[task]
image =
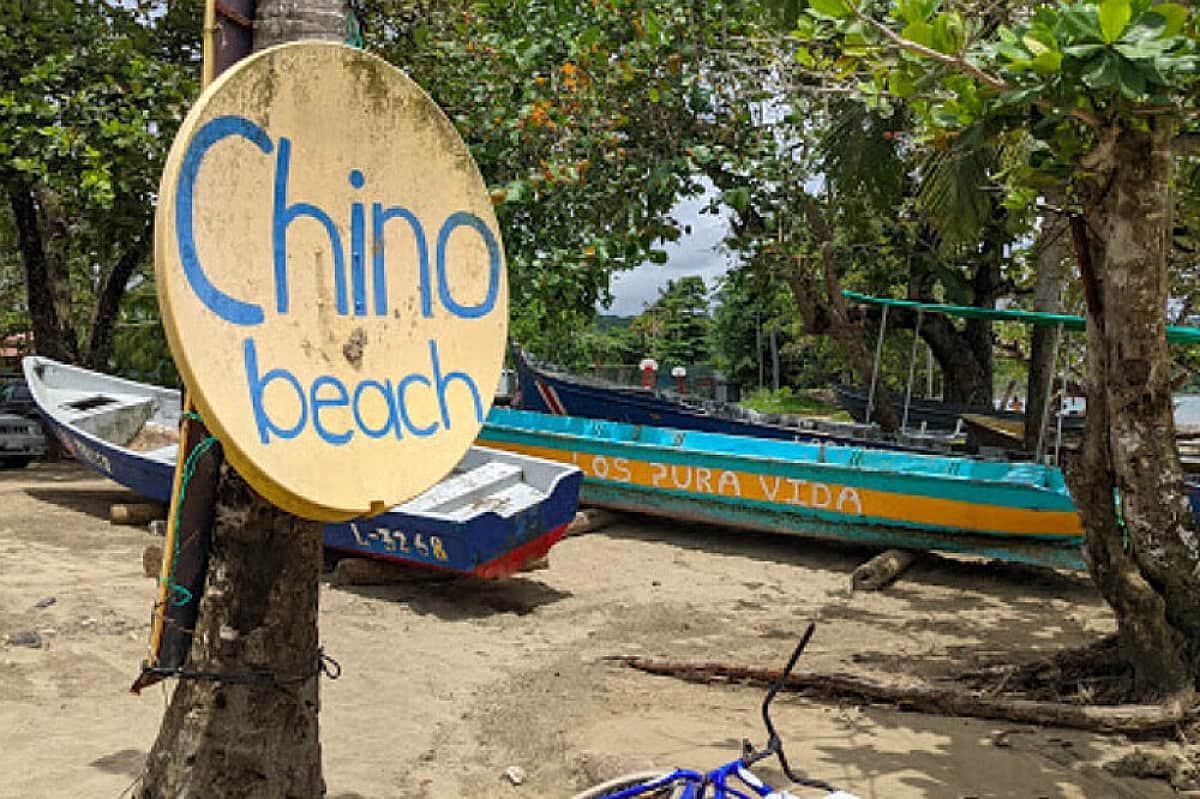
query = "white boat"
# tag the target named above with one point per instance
(492, 514)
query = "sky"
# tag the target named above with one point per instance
(697, 253)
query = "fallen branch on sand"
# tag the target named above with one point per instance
(942, 701)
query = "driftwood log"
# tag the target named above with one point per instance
(136, 512)
(591, 519)
(371, 571)
(1140, 718)
(881, 570)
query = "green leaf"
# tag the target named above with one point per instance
(1103, 72)
(834, 9)
(1132, 79)
(1047, 63)
(652, 94)
(1080, 23)
(1114, 18)
(1174, 15)
(1034, 46)
(737, 198)
(805, 57)
(919, 32)
(1083, 51)
(901, 84)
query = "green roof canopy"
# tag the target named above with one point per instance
(1175, 334)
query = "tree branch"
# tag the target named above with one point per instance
(960, 64)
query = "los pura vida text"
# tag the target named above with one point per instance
(328, 403)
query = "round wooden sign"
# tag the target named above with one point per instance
(331, 279)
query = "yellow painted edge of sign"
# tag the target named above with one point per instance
(896, 507)
(268, 488)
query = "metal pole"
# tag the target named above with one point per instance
(928, 372)
(875, 366)
(1062, 398)
(912, 368)
(774, 361)
(1041, 439)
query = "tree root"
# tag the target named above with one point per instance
(1130, 718)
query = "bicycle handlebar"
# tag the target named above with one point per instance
(774, 742)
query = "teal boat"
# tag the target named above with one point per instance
(1018, 512)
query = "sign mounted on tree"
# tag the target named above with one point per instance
(331, 279)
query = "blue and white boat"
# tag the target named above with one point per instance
(547, 390)
(492, 514)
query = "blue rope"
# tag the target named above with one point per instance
(182, 595)
(354, 27)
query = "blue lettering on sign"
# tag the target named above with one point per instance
(241, 312)
(337, 396)
(220, 303)
(286, 214)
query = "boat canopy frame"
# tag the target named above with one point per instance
(1062, 324)
(1176, 334)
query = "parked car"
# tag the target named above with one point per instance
(21, 441)
(15, 398)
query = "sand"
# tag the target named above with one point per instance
(445, 686)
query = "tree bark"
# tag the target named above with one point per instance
(821, 302)
(1050, 249)
(1145, 563)
(257, 623)
(52, 334)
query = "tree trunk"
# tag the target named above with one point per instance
(52, 334)
(1145, 563)
(821, 302)
(1050, 249)
(108, 301)
(279, 21)
(258, 615)
(965, 356)
(966, 381)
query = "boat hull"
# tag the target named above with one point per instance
(489, 543)
(1019, 512)
(556, 394)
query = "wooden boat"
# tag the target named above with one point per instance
(1014, 511)
(551, 391)
(938, 415)
(495, 512)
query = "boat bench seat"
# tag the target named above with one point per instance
(112, 417)
(466, 488)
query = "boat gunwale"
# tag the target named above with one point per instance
(837, 468)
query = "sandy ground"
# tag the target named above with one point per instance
(445, 686)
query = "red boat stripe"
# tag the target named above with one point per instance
(550, 397)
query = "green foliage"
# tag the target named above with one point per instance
(1059, 73)
(140, 350)
(90, 96)
(784, 401)
(585, 119)
(674, 330)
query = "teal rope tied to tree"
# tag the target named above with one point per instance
(181, 595)
(354, 26)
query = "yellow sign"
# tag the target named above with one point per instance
(331, 278)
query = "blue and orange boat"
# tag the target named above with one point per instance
(492, 514)
(1015, 511)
